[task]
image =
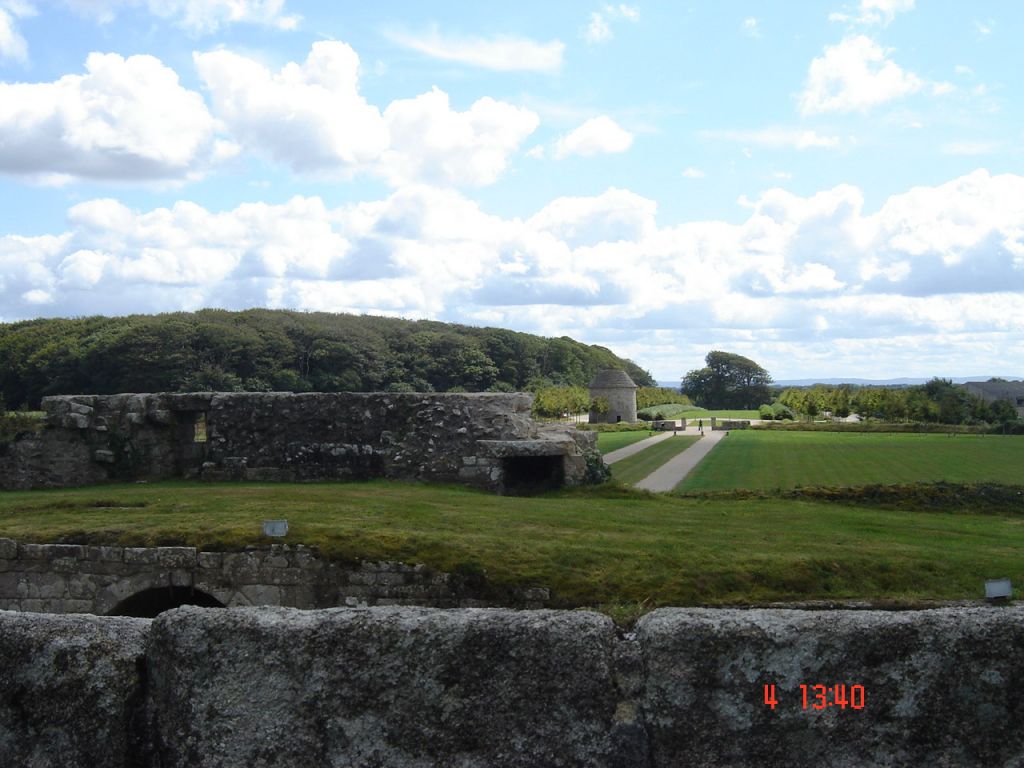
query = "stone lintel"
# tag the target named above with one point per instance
(503, 449)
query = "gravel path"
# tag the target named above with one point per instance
(671, 473)
(629, 450)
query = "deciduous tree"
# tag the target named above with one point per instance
(728, 381)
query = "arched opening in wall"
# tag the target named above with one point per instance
(526, 475)
(154, 601)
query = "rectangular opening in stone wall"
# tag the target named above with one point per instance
(525, 475)
(191, 442)
(199, 429)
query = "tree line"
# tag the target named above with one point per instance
(554, 402)
(937, 401)
(281, 350)
(733, 381)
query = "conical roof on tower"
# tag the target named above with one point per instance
(611, 379)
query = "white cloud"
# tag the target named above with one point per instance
(935, 270)
(196, 16)
(616, 215)
(599, 29)
(312, 117)
(854, 76)
(693, 173)
(875, 12)
(504, 53)
(750, 27)
(597, 135)
(432, 142)
(209, 15)
(12, 44)
(123, 119)
(971, 147)
(974, 216)
(885, 10)
(82, 269)
(37, 296)
(777, 137)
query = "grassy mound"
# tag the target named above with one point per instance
(621, 551)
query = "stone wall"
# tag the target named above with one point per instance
(72, 578)
(728, 424)
(621, 406)
(486, 440)
(417, 687)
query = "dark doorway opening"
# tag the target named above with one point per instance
(526, 475)
(151, 602)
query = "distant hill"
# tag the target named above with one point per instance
(264, 349)
(905, 382)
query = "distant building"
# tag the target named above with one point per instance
(990, 391)
(618, 391)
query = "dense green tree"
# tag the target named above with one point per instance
(261, 349)
(648, 396)
(1002, 412)
(938, 400)
(556, 402)
(728, 381)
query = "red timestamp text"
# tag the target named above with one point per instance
(818, 696)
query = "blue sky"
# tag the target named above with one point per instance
(833, 189)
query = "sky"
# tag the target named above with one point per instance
(831, 189)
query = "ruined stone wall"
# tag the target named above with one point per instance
(72, 578)
(401, 687)
(475, 439)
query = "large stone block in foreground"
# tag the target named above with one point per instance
(402, 687)
(71, 691)
(417, 687)
(942, 687)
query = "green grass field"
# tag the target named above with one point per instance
(619, 551)
(612, 441)
(700, 413)
(635, 468)
(758, 460)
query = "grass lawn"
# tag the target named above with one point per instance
(638, 466)
(758, 460)
(620, 551)
(612, 441)
(700, 413)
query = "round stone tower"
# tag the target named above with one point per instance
(619, 391)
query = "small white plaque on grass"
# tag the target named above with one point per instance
(997, 588)
(275, 527)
